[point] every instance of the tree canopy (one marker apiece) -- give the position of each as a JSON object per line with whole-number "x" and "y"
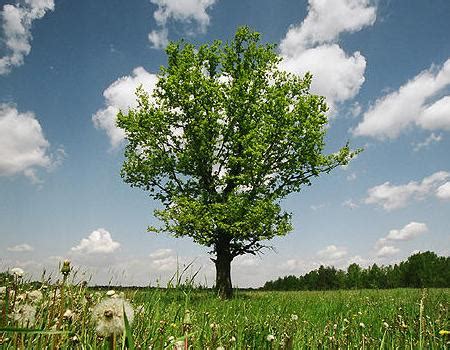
{"x": 223, "y": 138}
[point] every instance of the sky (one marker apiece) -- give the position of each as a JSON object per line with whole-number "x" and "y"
{"x": 67, "y": 68}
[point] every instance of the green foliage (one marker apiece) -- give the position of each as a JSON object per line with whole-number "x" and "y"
{"x": 421, "y": 270}
{"x": 224, "y": 137}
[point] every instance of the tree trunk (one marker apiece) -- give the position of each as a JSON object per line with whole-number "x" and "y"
{"x": 223, "y": 271}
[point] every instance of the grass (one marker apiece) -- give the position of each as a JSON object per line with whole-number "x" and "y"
{"x": 180, "y": 318}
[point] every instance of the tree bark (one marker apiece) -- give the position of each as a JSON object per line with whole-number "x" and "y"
{"x": 223, "y": 260}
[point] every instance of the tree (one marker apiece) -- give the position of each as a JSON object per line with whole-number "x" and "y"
{"x": 223, "y": 138}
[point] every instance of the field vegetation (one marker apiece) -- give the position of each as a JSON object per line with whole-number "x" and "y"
{"x": 70, "y": 315}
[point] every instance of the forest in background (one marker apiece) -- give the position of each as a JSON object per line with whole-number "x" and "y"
{"x": 421, "y": 270}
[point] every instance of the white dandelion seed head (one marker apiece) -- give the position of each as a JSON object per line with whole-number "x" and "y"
{"x": 110, "y": 293}
{"x": 35, "y": 296}
{"x": 17, "y": 271}
{"x": 25, "y": 315}
{"x": 179, "y": 345}
{"x": 108, "y": 316}
{"x": 68, "y": 315}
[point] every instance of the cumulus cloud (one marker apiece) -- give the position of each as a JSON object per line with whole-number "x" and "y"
{"x": 411, "y": 105}
{"x": 120, "y": 96}
{"x": 23, "y": 146}
{"x": 332, "y": 252}
{"x": 16, "y": 24}
{"x": 392, "y": 197}
{"x": 189, "y": 12}
{"x": 24, "y": 247}
{"x": 386, "y": 251}
{"x": 311, "y": 46}
{"x": 98, "y": 242}
{"x": 443, "y": 191}
{"x": 410, "y": 231}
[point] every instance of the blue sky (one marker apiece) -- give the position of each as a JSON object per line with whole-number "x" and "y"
{"x": 67, "y": 67}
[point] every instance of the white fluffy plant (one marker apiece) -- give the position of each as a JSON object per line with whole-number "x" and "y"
{"x": 109, "y": 318}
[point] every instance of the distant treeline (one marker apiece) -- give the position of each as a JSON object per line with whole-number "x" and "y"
{"x": 418, "y": 271}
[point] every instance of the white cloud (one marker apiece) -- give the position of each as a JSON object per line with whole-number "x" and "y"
{"x": 410, "y": 231}
{"x": 332, "y": 252}
{"x": 433, "y": 138}
{"x": 21, "y": 248}
{"x": 410, "y": 105}
{"x": 406, "y": 233}
{"x": 98, "y": 242}
{"x": 120, "y": 95}
{"x": 392, "y": 197}
{"x": 16, "y": 24}
{"x": 186, "y": 11}
{"x": 23, "y": 147}
{"x": 350, "y": 204}
{"x": 386, "y": 251}
{"x": 443, "y": 191}
{"x": 311, "y": 46}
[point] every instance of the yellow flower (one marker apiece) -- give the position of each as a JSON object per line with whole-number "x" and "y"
{"x": 444, "y": 332}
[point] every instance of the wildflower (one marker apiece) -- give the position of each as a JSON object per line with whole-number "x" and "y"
{"x": 444, "y": 332}
{"x": 35, "y": 296}
{"x": 25, "y": 315}
{"x": 270, "y": 338}
{"x": 110, "y": 293}
{"x": 362, "y": 325}
{"x": 385, "y": 325}
{"x": 18, "y": 272}
{"x": 294, "y": 317}
{"x": 108, "y": 315}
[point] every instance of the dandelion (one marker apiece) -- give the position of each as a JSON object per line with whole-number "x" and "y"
{"x": 294, "y": 317}
{"x": 110, "y": 293}
{"x": 65, "y": 269}
{"x": 35, "y": 296}
{"x": 270, "y": 338}
{"x": 108, "y": 315}
{"x": 444, "y": 332}
{"x": 17, "y": 271}
{"x": 25, "y": 315}
{"x": 68, "y": 315}
{"x": 179, "y": 345}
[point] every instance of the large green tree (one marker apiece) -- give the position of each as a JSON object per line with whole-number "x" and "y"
{"x": 223, "y": 138}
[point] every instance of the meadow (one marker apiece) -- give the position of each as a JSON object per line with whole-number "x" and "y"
{"x": 73, "y": 316}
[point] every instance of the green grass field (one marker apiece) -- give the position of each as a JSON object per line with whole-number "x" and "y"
{"x": 174, "y": 318}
